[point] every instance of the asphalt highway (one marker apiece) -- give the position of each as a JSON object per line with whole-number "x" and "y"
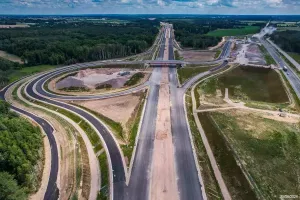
{"x": 115, "y": 155}
{"x": 138, "y": 187}
{"x": 290, "y": 74}
{"x": 139, "y": 183}
{"x": 52, "y": 191}
{"x": 188, "y": 180}
{"x": 187, "y": 174}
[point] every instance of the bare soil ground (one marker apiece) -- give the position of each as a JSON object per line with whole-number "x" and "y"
{"x": 193, "y": 55}
{"x": 15, "y": 26}
{"x": 10, "y": 57}
{"x": 163, "y": 177}
{"x": 52, "y": 84}
{"x": 92, "y": 77}
{"x": 248, "y": 54}
{"x": 118, "y": 109}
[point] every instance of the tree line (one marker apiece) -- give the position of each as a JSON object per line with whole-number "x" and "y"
{"x": 192, "y": 32}
{"x": 288, "y": 40}
{"x": 20, "y": 150}
{"x": 72, "y": 42}
{"x": 5, "y": 67}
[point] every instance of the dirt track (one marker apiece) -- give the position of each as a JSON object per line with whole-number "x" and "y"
{"x": 163, "y": 179}
{"x": 193, "y": 55}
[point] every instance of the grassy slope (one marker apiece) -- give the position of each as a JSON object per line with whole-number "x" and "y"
{"x": 188, "y": 72}
{"x": 234, "y": 32}
{"x": 270, "y": 153}
{"x": 234, "y": 178}
{"x": 211, "y": 186}
{"x": 134, "y": 126}
{"x": 249, "y": 83}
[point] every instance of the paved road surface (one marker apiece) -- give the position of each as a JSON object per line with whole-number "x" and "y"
{"x": 115, "y": 155}
{"x": 294, "y": 62}
{"x": 188, "y": 181}
{"x": 290, "y": 74}
{"x": 139, "y": 181}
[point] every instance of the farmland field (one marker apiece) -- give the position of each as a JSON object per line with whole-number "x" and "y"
{"x": 268, "y": 150}
{"x": 248, "y": 83}
{"x": 235, "y": 32}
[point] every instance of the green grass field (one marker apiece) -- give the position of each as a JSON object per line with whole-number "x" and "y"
{"x": 233, "y": 176}
{"x": 296, "y": 56}
{"x": 17, "y": 74}
{"x": 269, "y": 151}
{"x": 234, "y": 32}
{"x": 288, "y": 29}
{"x": 188, "y": 72}
{"x": 248, "y": 83}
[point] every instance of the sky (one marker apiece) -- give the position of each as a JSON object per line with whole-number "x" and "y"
{"x": 274, "y": 7}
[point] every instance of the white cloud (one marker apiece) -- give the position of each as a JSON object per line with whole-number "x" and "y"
{"x": 211, "y": 2}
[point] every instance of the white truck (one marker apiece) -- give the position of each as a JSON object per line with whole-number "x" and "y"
{"x": 285, "y": 68}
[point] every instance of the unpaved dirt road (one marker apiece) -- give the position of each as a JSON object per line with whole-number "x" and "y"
{"x": 163, "y": 178}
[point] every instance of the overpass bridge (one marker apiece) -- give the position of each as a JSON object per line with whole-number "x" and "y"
{"x": 179, "y": 62}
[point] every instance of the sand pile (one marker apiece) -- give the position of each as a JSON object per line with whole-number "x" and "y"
{"x": 91, "y": 78}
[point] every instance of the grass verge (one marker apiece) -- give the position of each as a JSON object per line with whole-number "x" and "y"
{"x": 186, "y": 73}
{"x": 177, "y": 55}
{"x": 217, "y": 54}
{"x": 104, "y": 190}
{"x": 268, "y": 58}
{"x": 295, "y": 56}
{"x": 134, "y": 79}
{"x": 82, "y": 173}
{"x": 211, "y": 186}
{"x": 134, "y": 126}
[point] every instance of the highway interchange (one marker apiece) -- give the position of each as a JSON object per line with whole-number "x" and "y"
{"x": 133, "y": 185}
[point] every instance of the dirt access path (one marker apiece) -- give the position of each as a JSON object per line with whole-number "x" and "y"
{"x": 163, "y": 178}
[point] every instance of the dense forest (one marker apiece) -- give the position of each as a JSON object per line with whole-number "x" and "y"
{"x": 287, "y": 40}
{"x": 80, "y": 41}
{"x": 192, "y": 32}
{"x": 20, "y": 150}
